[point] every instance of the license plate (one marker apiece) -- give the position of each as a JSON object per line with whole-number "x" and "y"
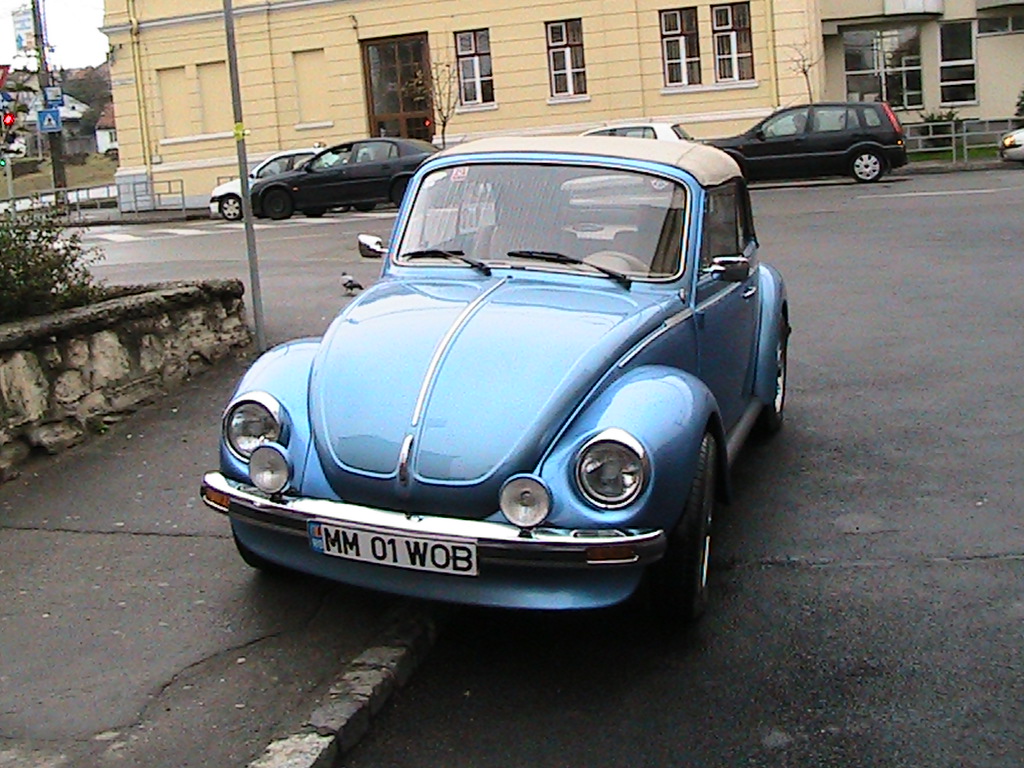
{"x": 438, "y": 555}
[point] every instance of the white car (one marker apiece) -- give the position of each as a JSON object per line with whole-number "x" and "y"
{"x": 1011, "y": 146}
{"x": 643, "y": 130}
{"x": 226, "y": 198}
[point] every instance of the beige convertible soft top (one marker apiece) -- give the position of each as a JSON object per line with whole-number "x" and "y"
{"x": 710, "y": 166}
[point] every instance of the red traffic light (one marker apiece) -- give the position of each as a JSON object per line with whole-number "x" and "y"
{"x": 8, "y": 119}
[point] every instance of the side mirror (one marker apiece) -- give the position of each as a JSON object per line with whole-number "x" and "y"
{"x": 371, "y": 247}
{"x": 759, "y": 134}
{"x": 731, "y": 269}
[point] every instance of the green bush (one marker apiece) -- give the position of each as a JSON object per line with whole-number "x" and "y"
{"x": 43, "y": 266}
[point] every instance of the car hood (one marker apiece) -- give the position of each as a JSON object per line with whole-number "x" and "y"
{"x": 233, "y": 187}
{"x": 434, "y": 385}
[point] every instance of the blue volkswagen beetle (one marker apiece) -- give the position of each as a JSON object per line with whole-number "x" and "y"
{"x": 538, "y": 402}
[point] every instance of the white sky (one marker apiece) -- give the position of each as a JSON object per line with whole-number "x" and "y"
{"x": 72, "y": 32}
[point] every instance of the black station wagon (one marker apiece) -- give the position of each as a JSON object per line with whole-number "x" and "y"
{"x": 860, "y": 139}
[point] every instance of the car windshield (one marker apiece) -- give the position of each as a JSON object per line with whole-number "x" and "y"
{"x": 548, "y": 216}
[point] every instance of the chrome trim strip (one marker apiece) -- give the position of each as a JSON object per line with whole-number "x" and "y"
{"x": 665, "y": 327}
{"x": 444, "y": 345}
{"x": 502, "y": 542}
{"x": 716, "y": 297}
{"x": 403, "y": 460}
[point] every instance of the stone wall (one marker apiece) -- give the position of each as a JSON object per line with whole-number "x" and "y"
{"x": 66, "y": 374}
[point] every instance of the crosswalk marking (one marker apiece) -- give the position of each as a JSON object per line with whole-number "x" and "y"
{"x": 180, "y": 232}
{"x": 215, "y": 227}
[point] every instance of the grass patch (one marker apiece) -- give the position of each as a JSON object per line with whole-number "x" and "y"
{"x": 96, "y": 171}
{"x": 946, "y": 155}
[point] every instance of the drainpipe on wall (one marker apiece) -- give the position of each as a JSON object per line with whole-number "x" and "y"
{"x": 140, "y": 95}
{"x": 773, "y": 54}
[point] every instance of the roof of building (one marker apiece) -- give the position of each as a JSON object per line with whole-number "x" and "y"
{"x": 107, "y": 120}
{"x": 707, "y": 164}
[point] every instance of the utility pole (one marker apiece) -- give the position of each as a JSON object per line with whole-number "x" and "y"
{"x": 60, "y": 179}
{"x": 243, "y": 175}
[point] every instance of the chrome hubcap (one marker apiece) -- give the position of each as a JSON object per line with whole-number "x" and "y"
{"x": 867, "y": 166}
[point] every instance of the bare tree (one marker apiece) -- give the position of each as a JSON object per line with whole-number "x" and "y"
{"x": 803, "y": 62}
{"x": 440, "y": 89}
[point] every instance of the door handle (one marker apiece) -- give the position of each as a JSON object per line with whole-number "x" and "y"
{"x": 750, "y": 292}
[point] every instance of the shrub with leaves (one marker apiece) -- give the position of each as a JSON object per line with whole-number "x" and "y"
{"x": 43, "y": 265}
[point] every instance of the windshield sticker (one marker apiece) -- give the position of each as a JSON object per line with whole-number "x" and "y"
{"x": 460, "y": 173}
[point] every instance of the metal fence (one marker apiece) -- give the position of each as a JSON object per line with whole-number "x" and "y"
{"x": 957, "y": 141}
{"x": 124, "y": 201}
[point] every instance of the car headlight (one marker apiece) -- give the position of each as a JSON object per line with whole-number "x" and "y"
{"x": 269, "y": 469}
{"x": 251, "y": 421}
{"x": 525, "y": 501}
{"x": 612, "y": 469}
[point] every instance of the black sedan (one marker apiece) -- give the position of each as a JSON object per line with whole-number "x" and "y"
{"x": 359, "y": 174}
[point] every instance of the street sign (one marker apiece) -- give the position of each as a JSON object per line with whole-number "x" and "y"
{"x": 49, "y": 120}
{"x": 54, "y": 96}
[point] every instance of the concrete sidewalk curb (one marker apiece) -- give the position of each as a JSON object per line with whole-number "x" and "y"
{"x": 343, "y": 715}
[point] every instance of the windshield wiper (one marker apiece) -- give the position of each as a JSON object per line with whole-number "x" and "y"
{"x": 435, "y": 253}
{"x": 562, "y": 258}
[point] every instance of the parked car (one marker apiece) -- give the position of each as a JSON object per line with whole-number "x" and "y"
{"x": 1011, "y": 146}
{"x": 860, "y": 139}
{"x": 643, "y": 130}
{"x": 360, "y": 174}
{"x": 538, "y": 402}
{"x": 226, "y": 198}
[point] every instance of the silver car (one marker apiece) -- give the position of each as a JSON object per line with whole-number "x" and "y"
{"x": 1011, "y": 146}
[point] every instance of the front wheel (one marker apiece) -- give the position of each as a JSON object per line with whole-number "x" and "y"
{"x": 230, "y": 207}
{"x": 680, "y": 581}
{"x": 867, "y": 166}
{"x": 364, "y": 207}
{"x": 277, "y": 204}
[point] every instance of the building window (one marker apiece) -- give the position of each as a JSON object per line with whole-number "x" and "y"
{"x": 476, "y": 79}
{"x": 680, "y": 48}
{"x": 1000, "y": 25}
{"x": 565, "y": 58}
{"x": 884, "y": 65}
{"x": 957, "y": 84}
{"x": 734, "y": 48}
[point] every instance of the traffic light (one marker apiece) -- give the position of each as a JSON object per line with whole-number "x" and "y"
{"x": 8, "y": 119}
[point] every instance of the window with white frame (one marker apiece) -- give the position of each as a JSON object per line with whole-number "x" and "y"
{"x": 680, "y": 46}
{"x": 884, "y": 65}
{"x": 476, "y": 79}
{"x": 957, "y": 84}
{"x": 565, "y": 58}
{"x": 1000, "y": 25}
{"x": 734, "y": 48}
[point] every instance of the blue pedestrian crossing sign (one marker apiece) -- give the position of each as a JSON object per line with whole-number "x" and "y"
{"x": 49, "y": 120}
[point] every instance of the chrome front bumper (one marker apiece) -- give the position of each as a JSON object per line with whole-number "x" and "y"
{"x": 498, "y": 543}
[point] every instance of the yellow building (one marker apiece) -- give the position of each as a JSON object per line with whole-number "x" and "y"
{"x": 331, "y": 70}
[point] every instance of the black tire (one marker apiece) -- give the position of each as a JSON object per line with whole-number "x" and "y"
{"x": 364, "y": 207}
{"x": 679, "y": 582}
{"x": 398, "y": 190}
{"x": 772, "y": 415}
{"x": 253, "y": 560}
{"x": 867, "y": 166}
{"x": 315, "y": 213}
{"x": 277, "y": 204}
{"x": 230, "y": 207}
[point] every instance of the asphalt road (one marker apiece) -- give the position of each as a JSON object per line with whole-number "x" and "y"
{"x": 867, "y": 579}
